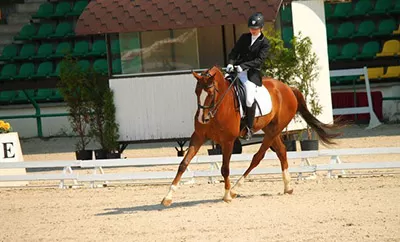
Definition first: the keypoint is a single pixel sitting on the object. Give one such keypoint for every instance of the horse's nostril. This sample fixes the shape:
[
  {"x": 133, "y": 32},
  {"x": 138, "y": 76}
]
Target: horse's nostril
[{"x": 206, "y": 119}]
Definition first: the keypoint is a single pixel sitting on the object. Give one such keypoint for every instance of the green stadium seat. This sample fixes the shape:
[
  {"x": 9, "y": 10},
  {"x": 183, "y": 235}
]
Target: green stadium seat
[
  {"x": 45, "y": 11},
  {"x": 57, "y": 96},
  {"x": 349, "y": 51},
  {"x": 62, "y": 49},
  {"x": 22, "y": 95},
  {"x": 8, "y": 72},
  {"x": 26, "y": 71},
  {"x": 333, "y": 52},
  {"x": 115, "y": 47},
  {"x": 44, "y": 94},
  {"x": 26, "y": 33},
  {"x": 45, "y": 30},
  {"x": 7, "y": 96},
  {"x": 98, "y": 48},
  {"x": 56, "y": 73},
  {"x": 116, "y": 66},
  {"x": 328, "y": 10},
  {"x": 9, "y": 53},
  {"x": 78, "y": 8},
  {"x": 286, "y": 14},
  {"x": 81, "y": 49},
  {"x": 62, "y": 9},
  {"x": 345, "y": 30},
  {"x": 84, "y": 64},
  {"x": 362, "y": 7},
  {"x": 342, "y": 10},
  {"x": 381, "y": 7},
  {"x": 100, "y": 66},
  {"x": 63, "y": 30},
  {"x": 44, "y": 70},
  {"x": 27, "y": 51},
  {"x": 44, "y": 52},
  {"x": 287, "y": 34},
  {"x": 396, "y": 8},
  {"x": 369, "y": 50},
  {"x": 386, "y": 27},
  {"x": 330, "y": 31},
  {"x": 366, "y": 28}
]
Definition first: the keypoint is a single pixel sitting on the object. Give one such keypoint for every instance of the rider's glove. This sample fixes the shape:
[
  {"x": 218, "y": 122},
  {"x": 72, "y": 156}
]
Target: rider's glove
[
  {"x": 229, "y": 68},
  {"x": 239, "y": 69}
]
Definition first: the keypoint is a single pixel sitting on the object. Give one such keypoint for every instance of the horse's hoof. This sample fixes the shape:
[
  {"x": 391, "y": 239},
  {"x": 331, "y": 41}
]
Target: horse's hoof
[
  {"x": 227, "y": 200},
  {"x": 288, "y": 191},
  {"x": 234, "y": 194},
  {"x": 166, "y": 202}
]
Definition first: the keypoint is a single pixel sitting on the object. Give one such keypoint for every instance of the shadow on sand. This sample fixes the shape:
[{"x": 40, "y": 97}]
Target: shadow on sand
[{"x": 175, "y": 205}]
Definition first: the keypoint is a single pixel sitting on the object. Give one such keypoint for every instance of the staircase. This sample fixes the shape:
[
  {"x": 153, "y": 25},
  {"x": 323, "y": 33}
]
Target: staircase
[{"x": 17, "y": 16}]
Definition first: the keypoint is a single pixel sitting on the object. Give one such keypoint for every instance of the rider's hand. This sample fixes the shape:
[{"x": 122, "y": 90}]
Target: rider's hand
[
  {"x": 229, "y": 68},
  {"x": 239, "y": 69}
]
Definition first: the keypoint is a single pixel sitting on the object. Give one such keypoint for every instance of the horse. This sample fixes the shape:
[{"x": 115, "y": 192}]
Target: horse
[{"x": 217, "y": 118}]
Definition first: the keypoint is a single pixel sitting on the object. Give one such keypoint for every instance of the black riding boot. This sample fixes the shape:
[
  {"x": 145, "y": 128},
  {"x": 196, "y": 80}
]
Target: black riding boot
[{"x": 251, "y": 111}]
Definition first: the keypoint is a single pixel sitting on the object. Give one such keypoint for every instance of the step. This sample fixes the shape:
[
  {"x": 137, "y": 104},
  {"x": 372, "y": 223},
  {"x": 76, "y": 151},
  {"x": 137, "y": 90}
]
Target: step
[
  {"x": 6, "y": 39},
  {"x": 35, "y": 1},
  {"x": 19, "y": 18},
  {"x": 10, "y": 29},
  {"x": 27, "y": 7}
]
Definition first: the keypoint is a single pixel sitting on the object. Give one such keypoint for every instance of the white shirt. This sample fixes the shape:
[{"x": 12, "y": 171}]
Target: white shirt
[{"x": 253, "y": 38}]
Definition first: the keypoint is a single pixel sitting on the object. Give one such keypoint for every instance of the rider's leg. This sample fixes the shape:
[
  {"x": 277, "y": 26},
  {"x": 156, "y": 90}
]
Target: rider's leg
[{"x": 251, "y": 105}]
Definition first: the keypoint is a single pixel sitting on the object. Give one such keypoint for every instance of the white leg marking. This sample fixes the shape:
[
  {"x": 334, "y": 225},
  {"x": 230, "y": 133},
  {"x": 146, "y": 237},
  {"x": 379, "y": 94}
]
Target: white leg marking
[
  {"x": 227, "y": 196},
  {"x": 286, "y": 180},
  {"x": 171, "y": 191}
]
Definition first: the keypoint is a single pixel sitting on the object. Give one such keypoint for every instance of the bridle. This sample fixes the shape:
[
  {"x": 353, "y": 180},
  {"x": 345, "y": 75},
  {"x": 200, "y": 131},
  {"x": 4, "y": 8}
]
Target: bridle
[{"x": 214, "y": 105}]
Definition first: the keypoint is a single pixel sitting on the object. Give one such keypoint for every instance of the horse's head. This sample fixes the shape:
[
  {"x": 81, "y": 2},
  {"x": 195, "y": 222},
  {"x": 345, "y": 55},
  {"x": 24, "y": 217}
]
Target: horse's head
[{"x": 206, "y": 92}]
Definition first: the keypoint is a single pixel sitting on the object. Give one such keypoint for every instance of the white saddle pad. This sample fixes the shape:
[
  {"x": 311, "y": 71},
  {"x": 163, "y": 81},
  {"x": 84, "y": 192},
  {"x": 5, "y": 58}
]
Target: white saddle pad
[{"x": 263, "y": 98}]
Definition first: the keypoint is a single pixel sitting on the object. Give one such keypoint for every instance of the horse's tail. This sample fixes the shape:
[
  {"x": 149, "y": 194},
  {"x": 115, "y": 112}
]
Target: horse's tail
[{"x": 313, "y": 122}]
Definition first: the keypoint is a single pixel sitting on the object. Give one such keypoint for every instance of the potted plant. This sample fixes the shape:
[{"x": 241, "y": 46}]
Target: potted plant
[
  {"x": 281, "y": 64},
  {"x": 103, "y": 126},
  {"x": 72, "y": 87},
  {"x": 307, "y": 74}
]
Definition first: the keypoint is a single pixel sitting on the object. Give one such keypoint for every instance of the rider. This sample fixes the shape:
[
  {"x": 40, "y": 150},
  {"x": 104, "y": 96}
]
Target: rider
[{"x": 247, "y": 56}]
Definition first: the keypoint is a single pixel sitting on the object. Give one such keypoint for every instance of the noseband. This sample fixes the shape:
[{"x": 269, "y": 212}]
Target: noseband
[{"x": 205, "y": 88}]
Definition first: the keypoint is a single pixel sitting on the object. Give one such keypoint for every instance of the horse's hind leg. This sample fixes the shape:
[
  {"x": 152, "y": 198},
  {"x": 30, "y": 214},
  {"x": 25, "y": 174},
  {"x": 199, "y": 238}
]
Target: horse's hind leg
[
  {"x": 280, "y": 150},
  {"x": 254, "y": 163},
  {"x": 196, "y": 142}
]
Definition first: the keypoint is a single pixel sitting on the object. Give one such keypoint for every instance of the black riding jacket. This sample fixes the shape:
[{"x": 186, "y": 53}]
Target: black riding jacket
[{"x": 250, "y": 57}]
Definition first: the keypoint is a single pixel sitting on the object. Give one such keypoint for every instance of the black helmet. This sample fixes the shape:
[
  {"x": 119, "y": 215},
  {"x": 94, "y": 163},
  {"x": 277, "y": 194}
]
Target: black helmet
[{"x": 256, "y": 21}]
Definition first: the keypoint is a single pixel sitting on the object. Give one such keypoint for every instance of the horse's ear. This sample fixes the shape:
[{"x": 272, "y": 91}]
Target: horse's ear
[{"x": 197, "y": 76}]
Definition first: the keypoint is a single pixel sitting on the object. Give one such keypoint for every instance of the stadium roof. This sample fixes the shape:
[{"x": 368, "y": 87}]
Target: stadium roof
[{"x": 117, "y": 16}]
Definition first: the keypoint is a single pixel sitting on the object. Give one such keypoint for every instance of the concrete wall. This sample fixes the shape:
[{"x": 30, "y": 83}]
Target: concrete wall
[{"x": 309, "y": 19}]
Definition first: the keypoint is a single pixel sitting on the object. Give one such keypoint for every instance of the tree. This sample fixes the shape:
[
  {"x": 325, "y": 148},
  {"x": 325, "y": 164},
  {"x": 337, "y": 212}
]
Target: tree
[
  {"x": 72, "y": 87},
  {"x": 307, "y": 72}
]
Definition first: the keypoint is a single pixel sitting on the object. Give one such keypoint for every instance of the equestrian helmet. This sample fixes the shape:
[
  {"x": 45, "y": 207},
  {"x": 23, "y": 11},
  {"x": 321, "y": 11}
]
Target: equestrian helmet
[{"x": 256, "y": 21}]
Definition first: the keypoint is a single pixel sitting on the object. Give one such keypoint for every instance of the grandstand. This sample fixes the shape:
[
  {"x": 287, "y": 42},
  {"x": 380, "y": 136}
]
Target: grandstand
[
  {"x": 36, "y": 34},
  {"x": 362, "y": 33}
]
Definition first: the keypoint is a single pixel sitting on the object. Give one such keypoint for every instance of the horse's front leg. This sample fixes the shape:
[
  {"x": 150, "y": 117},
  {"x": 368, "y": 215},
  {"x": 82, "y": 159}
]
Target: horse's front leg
[
  {"x": 227, "y": 148},
  {"x": 196, "y": 141}
]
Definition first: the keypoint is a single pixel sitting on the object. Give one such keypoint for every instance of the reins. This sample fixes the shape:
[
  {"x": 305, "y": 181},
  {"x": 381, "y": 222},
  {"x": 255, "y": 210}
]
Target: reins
[{"x": 214, "y": 111}]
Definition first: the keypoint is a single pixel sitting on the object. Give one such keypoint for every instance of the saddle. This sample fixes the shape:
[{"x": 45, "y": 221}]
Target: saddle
[{"x": 262, "y": 99}]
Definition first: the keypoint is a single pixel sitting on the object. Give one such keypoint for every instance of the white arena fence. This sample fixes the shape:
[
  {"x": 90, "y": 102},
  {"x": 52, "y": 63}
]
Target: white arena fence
[{"x": 98, "y": 175}]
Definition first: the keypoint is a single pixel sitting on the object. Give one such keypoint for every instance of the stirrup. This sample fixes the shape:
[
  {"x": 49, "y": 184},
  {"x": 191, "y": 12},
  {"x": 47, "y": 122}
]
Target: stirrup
[{"x": 248, "y": 135}]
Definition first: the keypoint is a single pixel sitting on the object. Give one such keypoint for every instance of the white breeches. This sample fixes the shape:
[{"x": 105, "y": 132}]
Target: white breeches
[{"x": 250, "y": 88}]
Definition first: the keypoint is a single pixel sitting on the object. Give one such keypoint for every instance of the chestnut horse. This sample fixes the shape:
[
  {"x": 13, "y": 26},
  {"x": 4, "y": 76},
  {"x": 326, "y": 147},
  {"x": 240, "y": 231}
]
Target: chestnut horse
[{"x": 218, "y": 119}]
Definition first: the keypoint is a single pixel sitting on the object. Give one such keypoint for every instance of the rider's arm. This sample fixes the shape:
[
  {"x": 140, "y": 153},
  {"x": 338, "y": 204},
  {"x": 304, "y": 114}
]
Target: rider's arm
[{"x": 262, "y": 55}]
